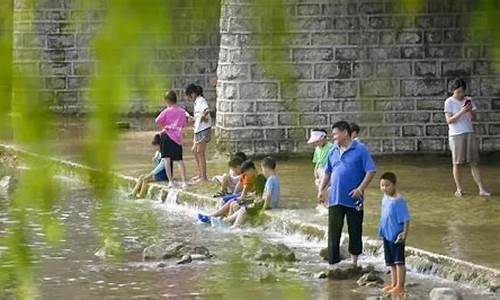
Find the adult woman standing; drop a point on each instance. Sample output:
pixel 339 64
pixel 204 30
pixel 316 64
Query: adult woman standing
pixel 460 112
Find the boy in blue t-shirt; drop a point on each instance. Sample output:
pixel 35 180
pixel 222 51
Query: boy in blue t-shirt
pixel 394 225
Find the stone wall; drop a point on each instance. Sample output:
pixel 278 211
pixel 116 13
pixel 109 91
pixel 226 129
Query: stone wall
pixel 60 55
pixel 371 62
pixel 368 61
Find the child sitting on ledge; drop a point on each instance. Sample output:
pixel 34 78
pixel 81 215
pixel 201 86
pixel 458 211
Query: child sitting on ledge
pixel 248 187
pixel 229 181
pixel 157 174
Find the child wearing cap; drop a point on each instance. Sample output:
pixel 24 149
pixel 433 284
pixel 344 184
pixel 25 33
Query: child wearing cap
pixel 320 157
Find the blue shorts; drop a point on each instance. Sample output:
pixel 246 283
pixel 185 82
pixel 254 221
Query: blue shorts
pixel 161 176
pixel 231 197
pixel 394 253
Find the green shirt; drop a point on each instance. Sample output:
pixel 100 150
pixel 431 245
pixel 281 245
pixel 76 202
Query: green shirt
pixel 320 157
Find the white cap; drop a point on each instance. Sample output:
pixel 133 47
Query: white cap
pixel 316 136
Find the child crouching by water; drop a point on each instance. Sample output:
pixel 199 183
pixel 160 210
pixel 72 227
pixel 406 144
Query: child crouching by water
pixel 269 200
pixel 250 185
pixel 228 181
pixel 157 174
pixel 394 225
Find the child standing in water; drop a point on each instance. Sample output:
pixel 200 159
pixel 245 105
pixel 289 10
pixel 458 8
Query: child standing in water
pixel 202 129
pixel 320 157
pixel 394 226
pixel 173 120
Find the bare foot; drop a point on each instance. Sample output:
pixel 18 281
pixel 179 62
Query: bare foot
pixel 397 290
pixel 484 193
pixel 387 288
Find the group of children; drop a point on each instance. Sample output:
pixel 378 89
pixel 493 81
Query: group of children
pixel 173 120
pixel 244 192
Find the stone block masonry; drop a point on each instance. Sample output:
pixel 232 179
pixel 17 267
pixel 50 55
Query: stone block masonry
pixel 371 62
pixel 61 57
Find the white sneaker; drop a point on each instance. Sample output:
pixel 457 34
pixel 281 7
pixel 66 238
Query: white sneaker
pixel 171 185
pixel 184 185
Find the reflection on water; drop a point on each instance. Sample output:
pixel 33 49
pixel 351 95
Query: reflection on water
pixel 466 228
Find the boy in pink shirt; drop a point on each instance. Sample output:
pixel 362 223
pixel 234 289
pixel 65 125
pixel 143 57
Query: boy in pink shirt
pixel 172 119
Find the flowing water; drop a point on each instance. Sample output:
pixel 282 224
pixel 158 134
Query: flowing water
pixel 71 270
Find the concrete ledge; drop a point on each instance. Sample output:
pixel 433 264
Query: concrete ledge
pixel 418 260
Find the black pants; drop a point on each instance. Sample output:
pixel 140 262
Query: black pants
pixel 354 227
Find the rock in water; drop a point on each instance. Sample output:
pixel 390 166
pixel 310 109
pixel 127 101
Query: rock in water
pixel 174 250
pixel 201 250
pixel 321 275
pixel 160 251
pixel 343 272
pixel 371 279
pixel 367 268
pixel 323 253
pixel 494 285
pixel 444 294
pixel 152 252
pixel 276 253
pixel 186 259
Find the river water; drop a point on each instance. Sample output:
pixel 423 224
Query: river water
pixel 71 270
